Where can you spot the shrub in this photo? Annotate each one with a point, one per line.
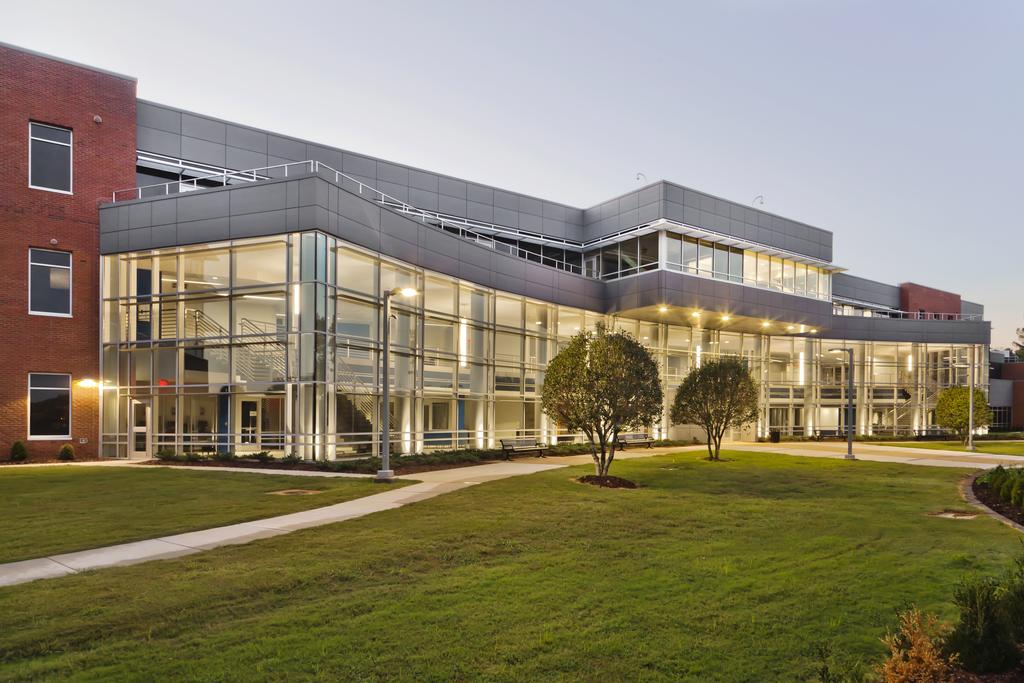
(291, 459)
(1006, 488)
(225, 456)
(66, 452)
(994, 478)
(915, 652)
(168, 456)
(981, 638)
(263, 456)
(18, 452)
(1013, 598)
(1017, 492)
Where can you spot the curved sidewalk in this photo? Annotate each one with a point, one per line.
(430, 484)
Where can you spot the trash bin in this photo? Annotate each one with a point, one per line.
(775, 436)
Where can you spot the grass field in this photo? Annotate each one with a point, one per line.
(732, 571)
(53, 510)
(990, 447)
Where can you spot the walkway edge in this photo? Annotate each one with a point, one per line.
(188, 543)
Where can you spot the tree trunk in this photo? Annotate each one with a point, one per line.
(711, 438)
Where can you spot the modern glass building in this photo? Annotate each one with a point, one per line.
(240, 277)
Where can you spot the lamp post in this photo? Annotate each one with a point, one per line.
(385, 474)
(849, 401)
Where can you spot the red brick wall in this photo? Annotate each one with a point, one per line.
(914, 298)
(35, 88)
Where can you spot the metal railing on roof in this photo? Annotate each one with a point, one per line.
(891, 313)
(474, 231)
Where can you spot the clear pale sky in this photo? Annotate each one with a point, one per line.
(896, 125)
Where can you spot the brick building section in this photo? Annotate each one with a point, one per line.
(43, 90)
(917, 298)
(1015, 373)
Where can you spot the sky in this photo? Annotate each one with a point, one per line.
(896, 125)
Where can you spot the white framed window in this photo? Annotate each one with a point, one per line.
(49, 406)
(49, 158)
(49, 282)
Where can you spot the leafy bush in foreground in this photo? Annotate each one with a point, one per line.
(66, 452)
(915, 651)
(982, 637)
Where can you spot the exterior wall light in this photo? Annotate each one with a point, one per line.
(88, 383)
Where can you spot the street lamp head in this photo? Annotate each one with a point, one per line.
(406, 292)
(837, 350)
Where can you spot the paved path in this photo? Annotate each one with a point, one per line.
(430, 484)
(900, 454)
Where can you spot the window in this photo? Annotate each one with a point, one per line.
(49, 406)
(49, 158)
(49, 286)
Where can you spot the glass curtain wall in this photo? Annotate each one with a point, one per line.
(274, 345)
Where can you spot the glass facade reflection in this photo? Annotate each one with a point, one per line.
(273, 345)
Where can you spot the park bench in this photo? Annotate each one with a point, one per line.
(638, 439)
(521, 445)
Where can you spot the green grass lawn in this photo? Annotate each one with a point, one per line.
(732, 571)
(50, 510)
(989, 447)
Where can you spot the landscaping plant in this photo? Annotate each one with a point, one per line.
(716, 396)
(915, 651)
(66, 452)
(601, 384)
(18, 452)
(982, 638)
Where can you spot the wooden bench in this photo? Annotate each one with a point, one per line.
(510, 446)
(638, 439)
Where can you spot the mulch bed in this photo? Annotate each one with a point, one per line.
(989, 497)
(608, 482)
(47, 461)
(1015, 676)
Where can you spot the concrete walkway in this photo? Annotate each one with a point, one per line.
(899, 454)
(430, 484)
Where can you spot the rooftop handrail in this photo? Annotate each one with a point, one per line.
(314, 167)
(463, 227)
(904, 315)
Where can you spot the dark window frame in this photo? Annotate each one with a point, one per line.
(28, 411)
(41, 264)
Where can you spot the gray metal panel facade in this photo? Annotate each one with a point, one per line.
(314, 203)
(206, 140)
(677, 203)
(862, 289)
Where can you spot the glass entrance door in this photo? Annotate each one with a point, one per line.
(250, 416)
(140, 439)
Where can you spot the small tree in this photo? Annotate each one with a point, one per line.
(953, 406)
(718, 395)
(601, 384)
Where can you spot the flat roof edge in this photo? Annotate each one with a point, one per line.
(71, 62)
